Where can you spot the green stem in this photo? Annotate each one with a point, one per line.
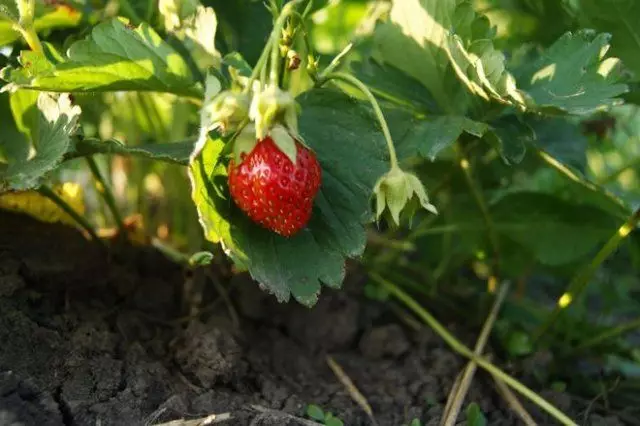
(393, 158)
(611, 333)
(459, 393)
(477, 194)
(463, 350)
(583, 277)
(130, 12)
(106, 193)
(50, 194)
(287, 10)
(30, 37)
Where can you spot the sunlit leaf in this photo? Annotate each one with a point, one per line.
(42, 208)
(573, 76)
(50, 130)
(114, 57)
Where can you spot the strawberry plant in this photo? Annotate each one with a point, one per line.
(437, 135)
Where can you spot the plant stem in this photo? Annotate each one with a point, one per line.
(463, 350)
(477, 194)
(51, 194)
(30, 37)
(130, 12)
(609, 334)
(106, 193)
(393, 158)
(459, 392)
(583, 277)
(273, 44)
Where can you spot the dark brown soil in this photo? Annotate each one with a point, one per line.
(88, 338)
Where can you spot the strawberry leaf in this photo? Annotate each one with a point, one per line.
(170, 152)
(49, 130)
(316, 255)
(616, 17)
(572, 76)
(429, 137)
(114, 57)
(414, 40)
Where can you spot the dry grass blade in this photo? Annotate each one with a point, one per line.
(513, 402)
(461, 387)
(204, 421)
(355, 394)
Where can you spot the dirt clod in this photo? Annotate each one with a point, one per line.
(88, 338)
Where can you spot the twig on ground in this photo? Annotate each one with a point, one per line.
(204, 421)
(460, 389)
(353, 391)
(268, 411)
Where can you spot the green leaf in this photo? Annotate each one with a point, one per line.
(519, 343)
(476, 61)
(114, 57)
(14, 145)
(414, 40)
(561, 138)
(572, 76)
(172, 152)
(431, 136)
(341, 131)
(556, 232)
(510, 135)
(51, 140)
(616, 17)
(333, 421)
(315, 412)
(475, 417)
(389, 83)
(9, 10)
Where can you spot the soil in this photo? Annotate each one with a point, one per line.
(95, 338)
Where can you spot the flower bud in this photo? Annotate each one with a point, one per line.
(226, 111)
(398, 190)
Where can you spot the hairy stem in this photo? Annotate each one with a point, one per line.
(51, 194)
(583, 277)
(393, 158)
(30, 37)
(106, 193)
(479, 197)
(130, 12)
(459, 393)
(463, 350)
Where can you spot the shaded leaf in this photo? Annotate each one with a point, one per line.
(620, 18)
(114, 57)
(556, 232)
(561, 138)
(431, 136)
(389, 83)
(510, 135)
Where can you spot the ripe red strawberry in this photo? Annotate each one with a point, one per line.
(271, 191)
